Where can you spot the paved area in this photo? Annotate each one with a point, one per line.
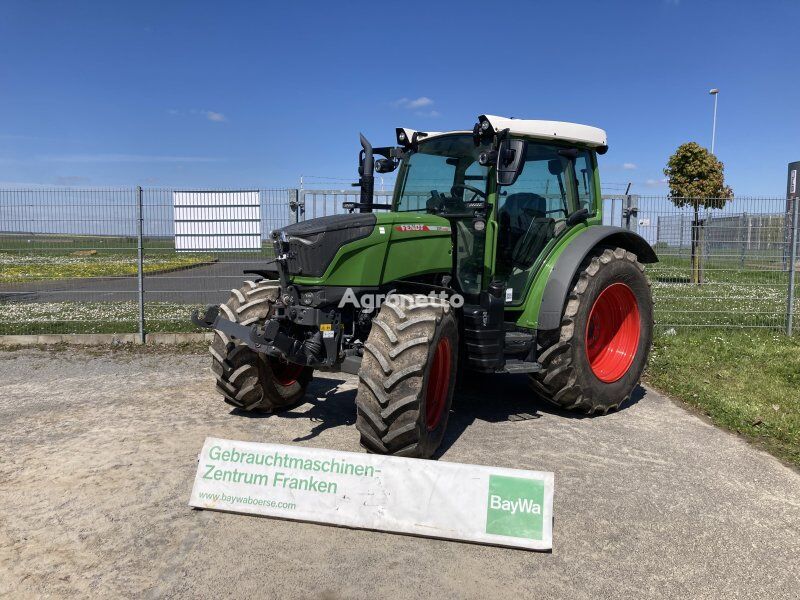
(99, 453)
(205, 284)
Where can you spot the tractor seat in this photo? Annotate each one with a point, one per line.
(520, 209)
(526, 227)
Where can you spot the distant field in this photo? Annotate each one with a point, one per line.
(735, 293)
(20, 268)
(739, 291)
(36, 243)
(39, 257)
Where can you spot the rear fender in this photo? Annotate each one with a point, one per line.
(566, 268)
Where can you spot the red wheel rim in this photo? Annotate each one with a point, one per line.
(285, 373)
(438, 384)
(612, 333)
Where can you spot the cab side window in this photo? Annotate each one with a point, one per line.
(584, 176)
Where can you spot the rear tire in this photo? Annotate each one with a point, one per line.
(594, 361)
(246, 379)
(407, 377)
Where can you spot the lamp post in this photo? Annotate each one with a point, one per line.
(714, 92)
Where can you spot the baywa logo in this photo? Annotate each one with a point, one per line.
(370, 302)
(515, 506)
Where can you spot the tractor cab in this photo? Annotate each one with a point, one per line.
(510, 187)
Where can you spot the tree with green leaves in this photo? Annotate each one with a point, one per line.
(696, 178)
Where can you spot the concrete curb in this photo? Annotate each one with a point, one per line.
(104, 339)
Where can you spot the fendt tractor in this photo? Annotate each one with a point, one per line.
(492, 258)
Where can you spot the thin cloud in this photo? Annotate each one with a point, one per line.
(656, 182)
(429, 113)
(211, 115)
(23, 184)
(71, 180)
(412, 103)
(629, 166)
(420, 102)
(15, 136)
(125, 158)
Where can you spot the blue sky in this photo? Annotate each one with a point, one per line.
(257, 94)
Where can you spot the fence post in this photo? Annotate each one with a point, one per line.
(631, 212)
(297, 204)
(293, 204)
(743, 239)
(792, 266)
(140, 260)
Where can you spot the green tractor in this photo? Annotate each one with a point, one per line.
(491, 258)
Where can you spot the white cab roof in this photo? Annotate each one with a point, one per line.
(550, 130)
(545, 130)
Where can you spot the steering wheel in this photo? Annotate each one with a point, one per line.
(475, 191)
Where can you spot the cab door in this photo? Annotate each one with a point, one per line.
(533, 211)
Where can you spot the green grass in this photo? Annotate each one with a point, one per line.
(64, 244)
(45, 257)
(16, 268)
(745, 381)
(52, 243)
(733, 294)
(36, 318)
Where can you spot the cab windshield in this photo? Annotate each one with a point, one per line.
(443, 174)
(444, 177)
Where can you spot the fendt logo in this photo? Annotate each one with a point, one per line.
(421, 227)
(514, 507)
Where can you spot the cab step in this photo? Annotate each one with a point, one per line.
(518, 341)
(521, 366)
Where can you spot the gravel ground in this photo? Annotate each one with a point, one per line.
(99, 453)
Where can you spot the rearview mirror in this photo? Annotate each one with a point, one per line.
(555, 167)
(510, 160)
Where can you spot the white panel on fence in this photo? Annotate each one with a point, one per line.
(488, 505)
(226, 221)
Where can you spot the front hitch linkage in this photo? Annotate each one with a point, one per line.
(254, 338)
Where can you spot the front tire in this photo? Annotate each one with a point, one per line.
(246, 379)
(594, 361)
(407, 377)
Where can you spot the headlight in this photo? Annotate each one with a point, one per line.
(404, 137)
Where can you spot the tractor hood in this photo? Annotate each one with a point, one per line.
(365, 249)
(313, 244)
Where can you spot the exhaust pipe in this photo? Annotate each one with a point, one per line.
(366, 176)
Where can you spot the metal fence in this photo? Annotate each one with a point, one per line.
(728, 266)
(117, 260)
(106, 261)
